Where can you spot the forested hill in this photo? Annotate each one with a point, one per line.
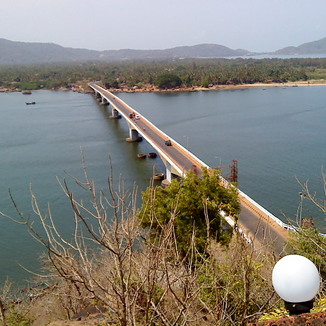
(32, 53)
(12, 53)
(316, 47)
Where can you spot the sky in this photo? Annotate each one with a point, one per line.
(254, 25)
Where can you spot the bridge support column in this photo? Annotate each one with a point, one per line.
(115, 114)
(133, 135)
(104, 101)
(98, 96)
(168, 173)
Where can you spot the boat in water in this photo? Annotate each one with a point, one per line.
(152, 155)
(30, 103)
(158, 176)
(141, 155)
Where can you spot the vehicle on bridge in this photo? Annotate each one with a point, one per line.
(168, 142)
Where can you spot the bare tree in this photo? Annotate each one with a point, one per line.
(110, 260)
(311, 241)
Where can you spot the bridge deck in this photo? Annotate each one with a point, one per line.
(260, 226)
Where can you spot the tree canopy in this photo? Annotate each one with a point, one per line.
(164, 73)
(168, 80)
(194, 204)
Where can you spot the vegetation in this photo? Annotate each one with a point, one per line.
(195, 205)
(311, 243)
(110, 261)
(166, 74)
(175, 261)
(168, 80)
(167, 263)
(187, 275)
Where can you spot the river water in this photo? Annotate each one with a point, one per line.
(278, 136)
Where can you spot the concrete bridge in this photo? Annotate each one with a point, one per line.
(257, 225)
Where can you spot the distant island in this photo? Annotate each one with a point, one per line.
(13, 53)
(315, 47)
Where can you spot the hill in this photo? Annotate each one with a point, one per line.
(195, 51)
(33, 53)
(315, 47)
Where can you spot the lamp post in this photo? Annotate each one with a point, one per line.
(187, 140)
(296, 280)
(299, 212)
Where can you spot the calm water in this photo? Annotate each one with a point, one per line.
(277, 135)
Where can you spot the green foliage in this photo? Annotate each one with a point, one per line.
(311, 244)
(234, 281)
(190, 72)
(194, 204)
(168, 80)
(111, 83)
(29, 86)
(274, 314)
(320, 306)
(16, 318)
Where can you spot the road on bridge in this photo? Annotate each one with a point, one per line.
(176, 153)
(263, 231)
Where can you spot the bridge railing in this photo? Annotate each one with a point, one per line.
(262, 212)
(195, 158)
(254, 206)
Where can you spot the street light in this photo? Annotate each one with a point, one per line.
(299, 211)
(296, 280)
(187, 139)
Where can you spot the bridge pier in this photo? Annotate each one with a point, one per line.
(115, 113)
(169, 175)
(104, 101)
(98, 96)
(168, 172)
(133, 135)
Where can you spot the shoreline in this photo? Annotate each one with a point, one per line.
(152, 88)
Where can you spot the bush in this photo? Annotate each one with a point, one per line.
(168, 81)
(194, 204)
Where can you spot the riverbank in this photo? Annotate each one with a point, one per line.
(151, 88)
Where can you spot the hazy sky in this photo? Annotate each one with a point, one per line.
(254, 25)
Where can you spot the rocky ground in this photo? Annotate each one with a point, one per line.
(316, 319)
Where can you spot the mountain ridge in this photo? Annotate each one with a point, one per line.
(13, 52)
(314, 47)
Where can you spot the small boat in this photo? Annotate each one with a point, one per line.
(158, 176)
(30, 103)
(141, 155)
(152, 155)
(27, 92)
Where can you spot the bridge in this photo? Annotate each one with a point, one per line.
(257, 225)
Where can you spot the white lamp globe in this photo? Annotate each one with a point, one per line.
(296, 279)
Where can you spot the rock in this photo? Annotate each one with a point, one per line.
(91, 310)
(313, 319)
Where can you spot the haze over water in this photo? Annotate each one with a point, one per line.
(276, 134)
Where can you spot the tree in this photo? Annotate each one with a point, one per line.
(195, 205)
(168, 80)
(310, 242)
(109, 260)
(111, 83)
